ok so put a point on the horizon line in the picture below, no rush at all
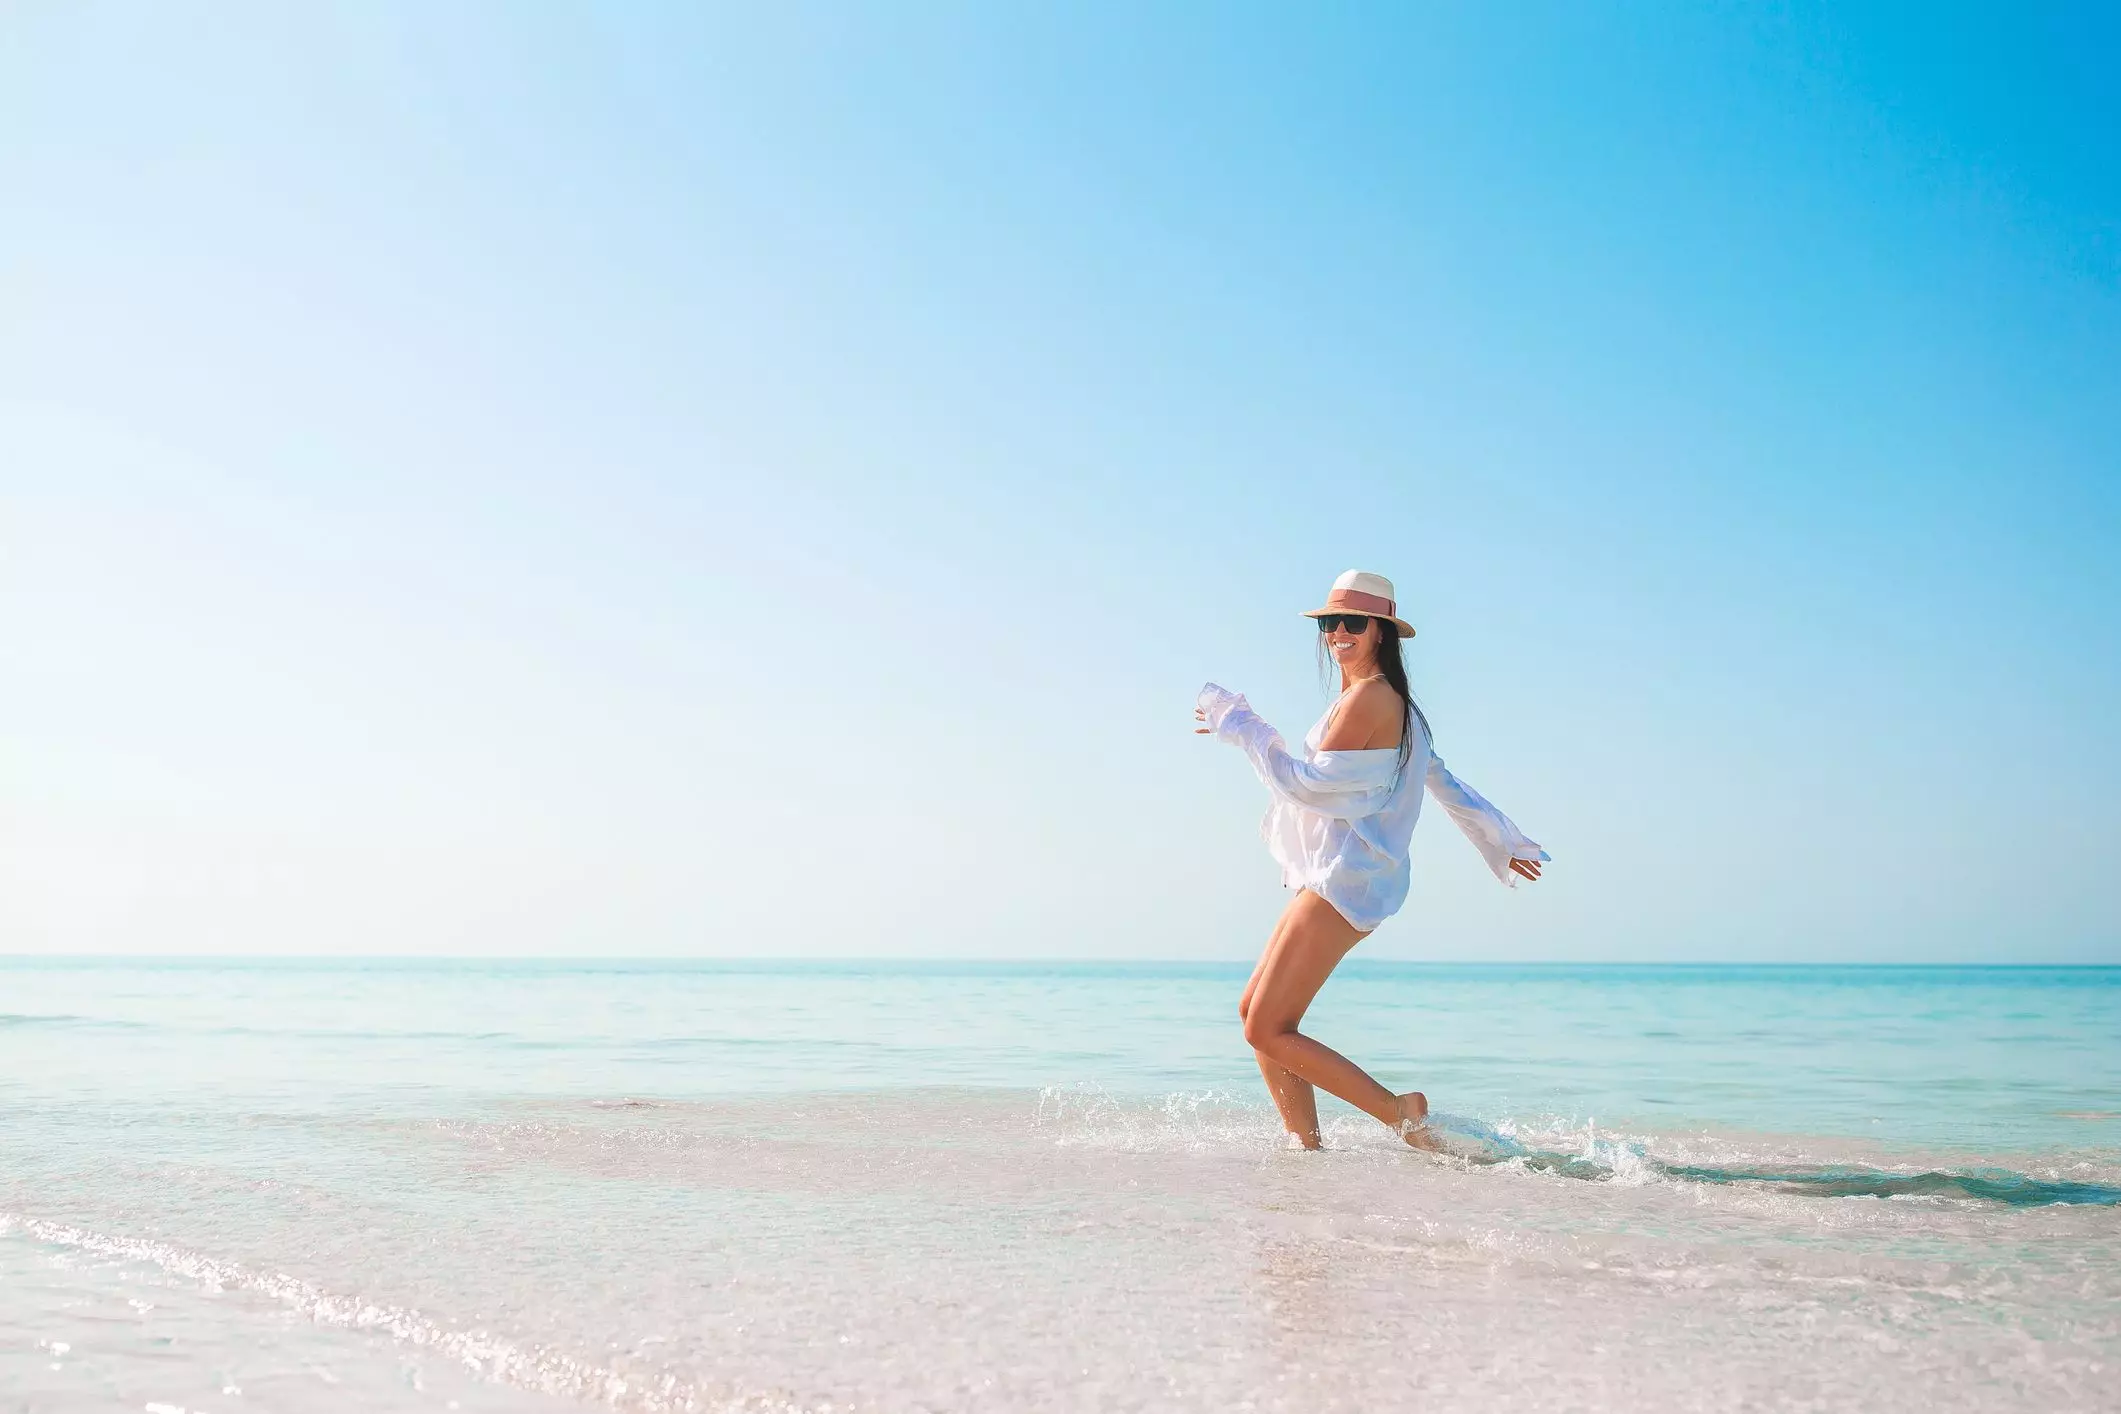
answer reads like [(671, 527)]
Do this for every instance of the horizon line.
[(1038, 961)]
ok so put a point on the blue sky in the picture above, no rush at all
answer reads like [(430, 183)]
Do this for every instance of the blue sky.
[(656, 479)]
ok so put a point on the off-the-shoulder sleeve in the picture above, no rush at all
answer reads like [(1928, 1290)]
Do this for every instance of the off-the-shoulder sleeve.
[(1345, 785), (1492, 833)]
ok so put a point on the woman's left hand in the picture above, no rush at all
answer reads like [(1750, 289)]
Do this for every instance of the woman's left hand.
[(1527, 867), (1200, 716)]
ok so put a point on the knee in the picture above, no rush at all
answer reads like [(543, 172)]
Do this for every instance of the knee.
[(1260, 1032)]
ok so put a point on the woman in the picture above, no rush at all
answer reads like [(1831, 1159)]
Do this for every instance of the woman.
[(1340, 823)]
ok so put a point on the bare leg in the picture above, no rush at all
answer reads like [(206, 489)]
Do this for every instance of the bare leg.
[(1308, 944), (1294, 1096)]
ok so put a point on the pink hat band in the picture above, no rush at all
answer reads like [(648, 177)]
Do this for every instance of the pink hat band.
[(1354, 601)]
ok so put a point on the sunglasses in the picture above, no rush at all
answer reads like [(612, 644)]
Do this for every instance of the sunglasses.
[(1354, 623)]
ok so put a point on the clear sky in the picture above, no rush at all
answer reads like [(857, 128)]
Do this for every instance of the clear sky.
[(633, 479)]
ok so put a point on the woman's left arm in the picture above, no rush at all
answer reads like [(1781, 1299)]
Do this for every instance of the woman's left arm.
[(1510, 853)]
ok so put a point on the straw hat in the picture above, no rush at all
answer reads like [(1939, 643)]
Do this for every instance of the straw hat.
[(1360, 592)]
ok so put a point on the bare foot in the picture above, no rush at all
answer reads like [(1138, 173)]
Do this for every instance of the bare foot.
[(1413, 1121)]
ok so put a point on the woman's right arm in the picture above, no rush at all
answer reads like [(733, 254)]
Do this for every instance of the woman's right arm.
[(1338, 784)]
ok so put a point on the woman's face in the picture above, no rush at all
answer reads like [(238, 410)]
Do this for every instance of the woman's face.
[(1353, 651)]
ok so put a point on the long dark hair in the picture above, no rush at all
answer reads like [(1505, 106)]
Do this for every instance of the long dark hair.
[(1393, 666)]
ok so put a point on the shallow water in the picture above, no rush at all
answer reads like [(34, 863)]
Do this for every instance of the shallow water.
[(385, 1186)]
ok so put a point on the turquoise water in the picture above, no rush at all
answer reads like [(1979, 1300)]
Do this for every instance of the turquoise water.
[(693, 1185), (1996, 1059)]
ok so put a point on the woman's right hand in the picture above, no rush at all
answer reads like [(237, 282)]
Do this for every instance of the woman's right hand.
[(1212, 705)]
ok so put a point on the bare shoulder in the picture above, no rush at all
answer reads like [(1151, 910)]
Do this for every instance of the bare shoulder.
[(1369, 717)]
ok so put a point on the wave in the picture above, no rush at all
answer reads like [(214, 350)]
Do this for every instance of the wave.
[(65, 1019), (2014, 1190), (1478, 1143), (1089, 1115), (524, 1365)]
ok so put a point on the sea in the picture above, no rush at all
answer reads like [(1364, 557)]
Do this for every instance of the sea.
[(384, 1185)]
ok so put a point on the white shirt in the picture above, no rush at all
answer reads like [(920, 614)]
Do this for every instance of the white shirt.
[(1341, 822)]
